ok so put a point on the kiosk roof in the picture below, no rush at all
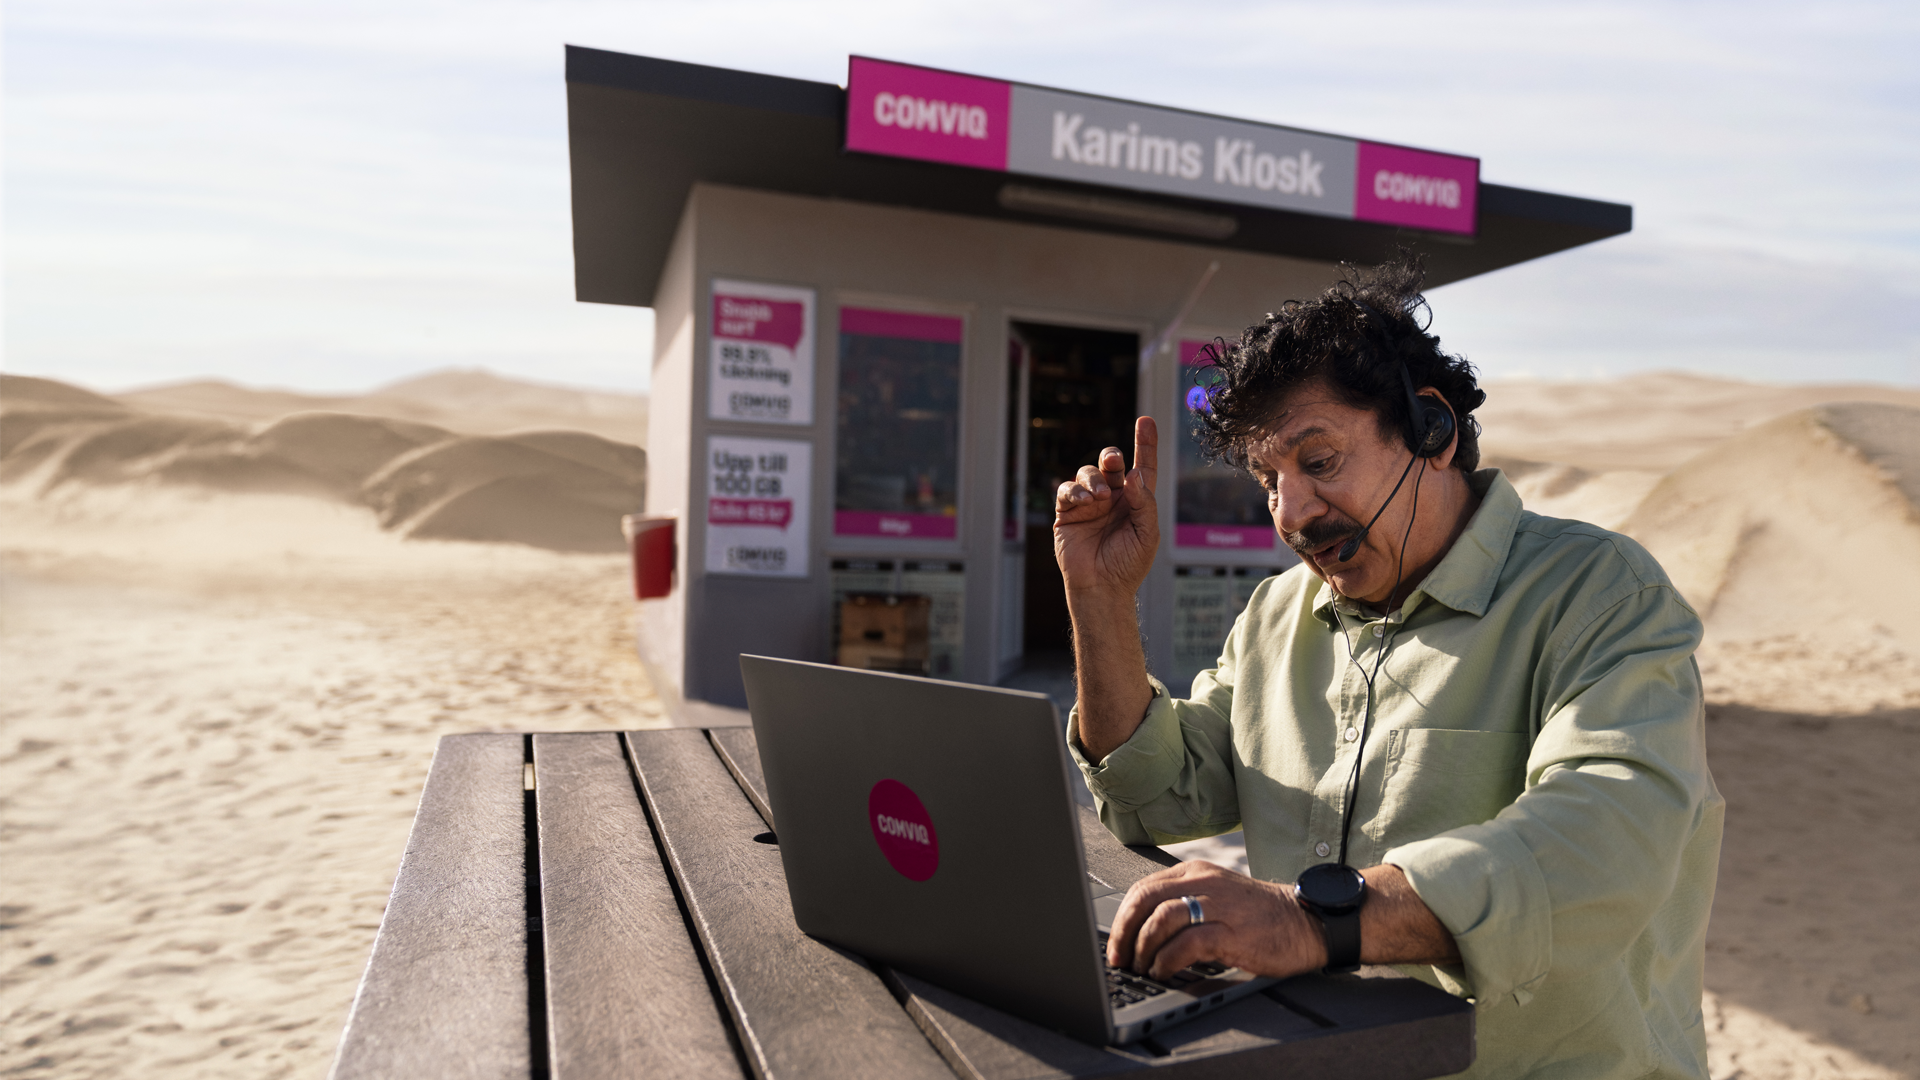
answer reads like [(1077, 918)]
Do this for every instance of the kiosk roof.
[(642, 131)]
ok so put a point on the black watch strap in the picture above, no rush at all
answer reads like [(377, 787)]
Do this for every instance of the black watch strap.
[(1343, 941)]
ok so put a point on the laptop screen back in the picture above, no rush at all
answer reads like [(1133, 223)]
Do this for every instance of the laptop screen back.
[(928, 826)]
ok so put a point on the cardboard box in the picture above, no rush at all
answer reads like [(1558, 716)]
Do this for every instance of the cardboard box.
[(884, 632)]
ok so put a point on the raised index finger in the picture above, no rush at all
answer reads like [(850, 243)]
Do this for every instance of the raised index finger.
[(1146, 450)]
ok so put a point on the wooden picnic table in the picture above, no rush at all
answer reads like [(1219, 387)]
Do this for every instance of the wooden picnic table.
[(613, 904)]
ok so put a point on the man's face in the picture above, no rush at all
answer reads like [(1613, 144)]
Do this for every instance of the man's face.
[(1327, 469)]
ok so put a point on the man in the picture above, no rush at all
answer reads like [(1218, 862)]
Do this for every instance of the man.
[(1468, 734)]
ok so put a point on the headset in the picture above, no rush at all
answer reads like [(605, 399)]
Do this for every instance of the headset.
[(1430, 429)]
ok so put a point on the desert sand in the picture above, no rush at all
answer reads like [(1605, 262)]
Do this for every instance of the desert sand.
[(233, 623)]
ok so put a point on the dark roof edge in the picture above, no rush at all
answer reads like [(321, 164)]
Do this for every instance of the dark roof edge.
[(802, 97), (1610, 218), (722, 86)]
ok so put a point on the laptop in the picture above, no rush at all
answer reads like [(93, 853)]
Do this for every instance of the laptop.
[(929, 826)]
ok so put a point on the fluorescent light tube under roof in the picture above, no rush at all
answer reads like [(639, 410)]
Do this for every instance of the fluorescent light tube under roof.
[(1110, 211)]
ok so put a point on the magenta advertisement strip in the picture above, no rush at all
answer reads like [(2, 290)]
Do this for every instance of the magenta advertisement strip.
[(897, 526), (773, 513), (753, 318), (1232, 537), (871, 322)]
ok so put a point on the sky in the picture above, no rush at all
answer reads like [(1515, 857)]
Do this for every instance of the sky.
[(331, 196)]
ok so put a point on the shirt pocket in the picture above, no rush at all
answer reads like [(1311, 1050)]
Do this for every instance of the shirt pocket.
[(1440, 778)]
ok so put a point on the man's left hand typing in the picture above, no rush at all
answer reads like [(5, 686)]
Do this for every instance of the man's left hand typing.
[(1256, 925)]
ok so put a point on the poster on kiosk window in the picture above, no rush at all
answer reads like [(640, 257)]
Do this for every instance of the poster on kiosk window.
[(757, 492), (761, 367)]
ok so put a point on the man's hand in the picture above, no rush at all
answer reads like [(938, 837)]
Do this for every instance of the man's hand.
[(1106, 528), (1255, 925), (1106, 525)]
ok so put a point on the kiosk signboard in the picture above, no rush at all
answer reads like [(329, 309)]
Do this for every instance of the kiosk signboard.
[(758, 492), (761, 368), (903, 111)]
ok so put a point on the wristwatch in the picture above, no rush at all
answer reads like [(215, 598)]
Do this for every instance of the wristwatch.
[(1335, 893)]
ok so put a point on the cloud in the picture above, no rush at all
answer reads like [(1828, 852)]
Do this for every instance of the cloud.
[(1743, 314), (329, 194)]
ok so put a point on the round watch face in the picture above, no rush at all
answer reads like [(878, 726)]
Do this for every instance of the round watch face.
[(1332, 888)]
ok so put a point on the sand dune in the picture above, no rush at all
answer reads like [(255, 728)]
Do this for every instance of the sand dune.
[(1799, 541), (564, 490), (232, 634), (470, 402), (1651, 422), (323, 453), (1790, 526)]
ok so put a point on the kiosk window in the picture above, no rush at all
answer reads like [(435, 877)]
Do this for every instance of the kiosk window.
[(1216, 506), (897, 458)]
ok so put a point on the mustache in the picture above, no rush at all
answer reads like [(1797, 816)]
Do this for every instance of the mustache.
[(1319, 534)]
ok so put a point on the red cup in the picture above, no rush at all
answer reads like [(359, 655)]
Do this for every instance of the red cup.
[(651, 541)]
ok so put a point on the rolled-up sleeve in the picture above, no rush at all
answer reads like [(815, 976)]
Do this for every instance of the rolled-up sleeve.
[(1570, 873), (1173, 779)]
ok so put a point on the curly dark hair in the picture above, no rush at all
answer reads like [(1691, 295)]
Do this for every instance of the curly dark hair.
[(1333, 339)]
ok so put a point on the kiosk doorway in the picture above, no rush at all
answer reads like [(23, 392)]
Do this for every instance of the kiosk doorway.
[(1071, 392)]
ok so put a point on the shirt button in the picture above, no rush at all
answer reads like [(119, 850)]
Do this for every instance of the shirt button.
[(1379, 630), (1352, 734), (1321, 849)]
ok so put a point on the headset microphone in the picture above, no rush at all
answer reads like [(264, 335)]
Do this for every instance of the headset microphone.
[(1353, 545)]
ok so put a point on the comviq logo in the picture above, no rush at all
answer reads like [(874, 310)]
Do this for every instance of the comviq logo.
[(903, 830)]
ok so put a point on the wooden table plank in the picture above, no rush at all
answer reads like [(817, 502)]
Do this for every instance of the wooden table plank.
[(1385, 1028), (1385, 1024), (802, 1008), (626, 994), (1118, 865), (446, 990), (983, 1043), (741, 752)]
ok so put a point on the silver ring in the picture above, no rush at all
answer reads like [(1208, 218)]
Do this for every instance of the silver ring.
[(1195, 916)]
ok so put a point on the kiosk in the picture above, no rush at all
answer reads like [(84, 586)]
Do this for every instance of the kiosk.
[(892, 317)]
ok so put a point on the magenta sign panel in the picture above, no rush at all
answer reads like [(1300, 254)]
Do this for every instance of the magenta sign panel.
[(897, 526), (901, 324), (1397, 186), (913, 112), (1230, 537), (772, 513), (751, 318)]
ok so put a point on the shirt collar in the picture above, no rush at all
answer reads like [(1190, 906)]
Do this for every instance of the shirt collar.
[(1465, 578)]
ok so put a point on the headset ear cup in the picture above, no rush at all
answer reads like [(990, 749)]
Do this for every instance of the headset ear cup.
[(1436, 425)]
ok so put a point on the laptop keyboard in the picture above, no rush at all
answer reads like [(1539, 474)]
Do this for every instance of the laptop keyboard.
[(1125, 988)]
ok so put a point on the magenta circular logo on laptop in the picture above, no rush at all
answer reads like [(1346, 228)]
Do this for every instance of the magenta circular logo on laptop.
[(903, 830)]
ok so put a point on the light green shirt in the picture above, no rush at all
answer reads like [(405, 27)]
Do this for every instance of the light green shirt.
[(1536, 765)]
